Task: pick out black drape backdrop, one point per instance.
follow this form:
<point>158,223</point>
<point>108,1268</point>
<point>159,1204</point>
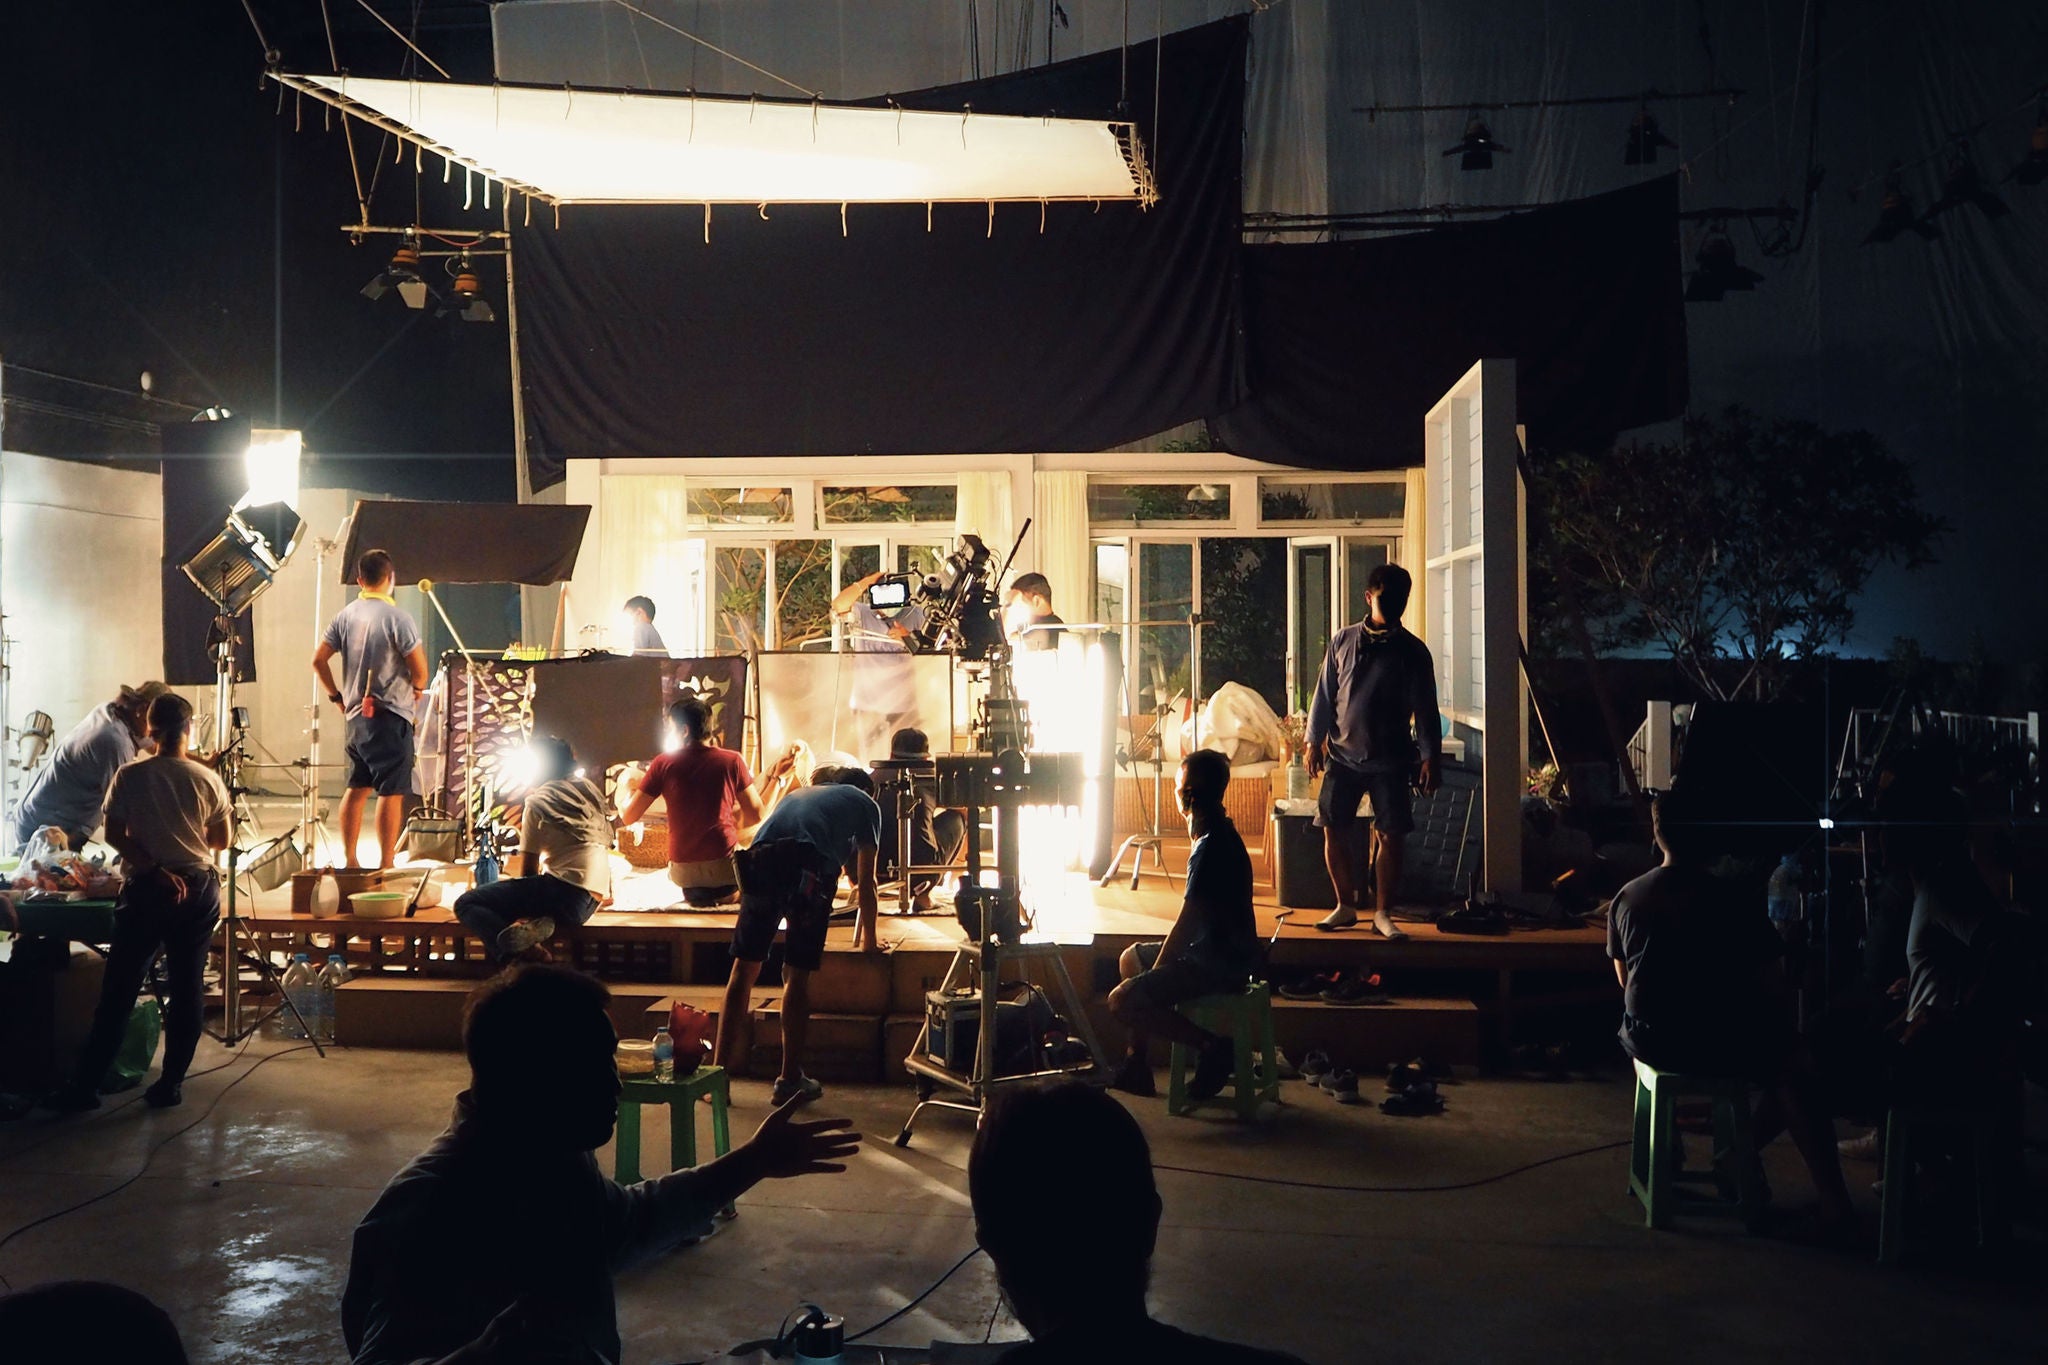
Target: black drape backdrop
<point>1351,343</point>
<point>785,337</point>
<point>205,473</point>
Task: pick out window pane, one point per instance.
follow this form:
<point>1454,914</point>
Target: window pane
<point>738,506</point>
<point>1112,576</point>
<point>1243,580</point>
<point>922,560</point>
<point>858,561</point>
<point>1312,625</point>
<point>1138,503</point>
<point>1361,557</point>
<point>1166,583</point>
<point>739,592</point>
<point>893,502</point>
<point>1291,500</point>
<point>803,592</point>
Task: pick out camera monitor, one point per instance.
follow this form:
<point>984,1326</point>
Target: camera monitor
<point>889,594</point>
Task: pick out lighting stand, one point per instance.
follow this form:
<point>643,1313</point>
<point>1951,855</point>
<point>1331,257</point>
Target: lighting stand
<point>1151,837</point>
<point>237,940</point>
<point>472,817</point>
<point>312,819</point>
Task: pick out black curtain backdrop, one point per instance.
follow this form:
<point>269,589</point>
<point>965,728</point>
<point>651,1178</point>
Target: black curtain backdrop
<point>1351,343</point>
<point>786,337</point>
<point>204,476</point>
<point>468,542</point>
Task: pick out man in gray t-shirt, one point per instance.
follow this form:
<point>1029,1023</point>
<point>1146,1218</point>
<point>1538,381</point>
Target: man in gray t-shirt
<point>383,672</point>
<point>70,789</point>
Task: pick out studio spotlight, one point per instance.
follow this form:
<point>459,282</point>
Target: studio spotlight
<point>237,565</point>
<point>1962,185</point>
<point>469,303</point>
<point>1475,151</point>
<point>1717,271</point>
<point>402,274</point>
<point>1895,214</point>
<point>2033,168</point>
<point>1644,138</point>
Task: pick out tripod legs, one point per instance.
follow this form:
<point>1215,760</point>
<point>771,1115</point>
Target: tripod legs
<point>1136,846</point>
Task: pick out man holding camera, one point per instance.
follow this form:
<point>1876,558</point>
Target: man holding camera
<point>1376,679</point>
<point>384,670</point>
<point>166,816</point>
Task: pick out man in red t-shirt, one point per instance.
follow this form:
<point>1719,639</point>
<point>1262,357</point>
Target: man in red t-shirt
<point>710,796</point>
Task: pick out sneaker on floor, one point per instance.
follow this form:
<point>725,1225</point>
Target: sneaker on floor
<point>1309,987</point>
<point>164,1095</point>
<point>1868,1147</point>
<point>1343,917</point>
<point>800,1084</point>
<point>1341,1086</point>
<point>1213,1068</point>
<point>1283,1069</point>
<point>524,934</point>
<point>1315,1065</point>
<point>1134,1077</point>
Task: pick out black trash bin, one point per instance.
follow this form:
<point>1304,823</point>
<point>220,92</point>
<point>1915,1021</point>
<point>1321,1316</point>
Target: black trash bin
<point>1301,881</point>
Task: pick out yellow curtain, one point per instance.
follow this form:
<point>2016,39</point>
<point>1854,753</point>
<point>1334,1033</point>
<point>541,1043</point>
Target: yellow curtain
<point>1058,545</point>
<point>983,509</point>
<point>644,548</point>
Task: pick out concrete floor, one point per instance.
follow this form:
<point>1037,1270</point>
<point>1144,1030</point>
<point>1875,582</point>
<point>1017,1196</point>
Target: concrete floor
<point>240,1227</point>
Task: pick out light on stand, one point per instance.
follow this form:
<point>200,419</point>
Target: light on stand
<point>272,464</point>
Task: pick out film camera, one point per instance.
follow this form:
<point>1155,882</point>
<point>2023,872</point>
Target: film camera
<point>961,606</point>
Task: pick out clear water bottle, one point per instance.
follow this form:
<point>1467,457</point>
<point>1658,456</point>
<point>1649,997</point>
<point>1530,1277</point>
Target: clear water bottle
<point>664,1055</point>
<point>302,992</point>
<point>1783,898</point>
<point>332,977</point>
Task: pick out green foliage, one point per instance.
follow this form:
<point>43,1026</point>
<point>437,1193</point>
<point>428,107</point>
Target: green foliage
<point>1244,580</point>
<point>1749,538</point>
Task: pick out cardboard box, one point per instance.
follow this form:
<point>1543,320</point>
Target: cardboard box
<point>851,983</point>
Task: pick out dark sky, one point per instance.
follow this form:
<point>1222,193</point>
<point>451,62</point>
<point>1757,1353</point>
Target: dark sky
<point>147,177</point>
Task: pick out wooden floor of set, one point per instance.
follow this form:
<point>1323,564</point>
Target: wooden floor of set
<point>1456,999</point>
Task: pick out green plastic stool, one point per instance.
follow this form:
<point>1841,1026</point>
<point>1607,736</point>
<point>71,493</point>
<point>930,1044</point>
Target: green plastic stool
<point>1986,1129</point>
<point>681,1096</point>
<point>1656,1163</point>
<point>1248,1018</point>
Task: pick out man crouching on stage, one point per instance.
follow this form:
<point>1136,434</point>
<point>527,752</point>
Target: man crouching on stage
<point>498,1244</point>
<point>1213,947</point>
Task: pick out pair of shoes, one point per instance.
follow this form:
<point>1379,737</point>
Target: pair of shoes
<point>1134,1077</point>
<point>1402,1075</point>
<point>1214,1065</point>
<point>799,1084</point>
<point>1316,1065</point>
<point>1868,1147</point>
<point>165,1094</point>
<point>1356,990</point>
<point>1341,1086</point>
<point>73,1099</point>
<point>1310,987</point>
<point>522,934</point>
<point>1418,1099</point>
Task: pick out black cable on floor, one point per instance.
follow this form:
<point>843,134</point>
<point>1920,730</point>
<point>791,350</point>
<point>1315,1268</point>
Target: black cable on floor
<point>160,1144</point>
<point>1399,1189</point>
<point>929,1291</point>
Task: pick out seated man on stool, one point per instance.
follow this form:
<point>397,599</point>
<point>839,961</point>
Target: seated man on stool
<point>1212,950</point>
<point>936,836</point>
<point>564,868</point>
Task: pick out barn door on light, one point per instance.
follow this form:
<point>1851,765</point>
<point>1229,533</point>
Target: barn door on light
<point>1472,597</point>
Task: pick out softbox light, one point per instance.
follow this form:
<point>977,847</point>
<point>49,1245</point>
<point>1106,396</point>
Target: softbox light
<point>237,565</point>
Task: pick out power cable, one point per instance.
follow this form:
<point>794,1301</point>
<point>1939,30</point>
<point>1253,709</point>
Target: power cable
<point>1400,1189</point>
<point>928,1292</point>
<point>143,1169</point>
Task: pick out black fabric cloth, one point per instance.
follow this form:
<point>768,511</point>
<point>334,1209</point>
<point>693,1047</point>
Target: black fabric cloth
<point>205,473</point>
<point>469,542</point>
<point>1142,1340</point>
<point>1694,955</point>
<point>1350,344</point>
<point>1218,893</point>
<point>380,753</point>
<point>1393,804</point>
<point>1058,327</point>
<point>149,920</point>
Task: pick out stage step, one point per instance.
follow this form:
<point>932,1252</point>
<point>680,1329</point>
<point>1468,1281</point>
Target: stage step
<point>1442,1028</point>
<point>426,1012</point>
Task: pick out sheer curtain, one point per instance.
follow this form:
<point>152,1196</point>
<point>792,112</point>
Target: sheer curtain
<point>1059,540</point>
<point>983,509</point>
<point>644,548</point>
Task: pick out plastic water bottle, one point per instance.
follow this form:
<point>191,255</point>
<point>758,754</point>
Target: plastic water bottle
<point>664,1055</point>
<point>1782,897</point>
<point>332,977</point>
<point>486,870</point>
<point>302,993</point>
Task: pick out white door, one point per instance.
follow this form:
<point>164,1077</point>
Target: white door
<point>1473,559</point>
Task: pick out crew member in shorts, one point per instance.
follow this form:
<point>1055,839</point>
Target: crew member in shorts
<point>383,672</point>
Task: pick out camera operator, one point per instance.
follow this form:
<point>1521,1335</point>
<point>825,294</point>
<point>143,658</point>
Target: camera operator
<point>936,836</point>
<point>884,687</point>
<point>166,816</point>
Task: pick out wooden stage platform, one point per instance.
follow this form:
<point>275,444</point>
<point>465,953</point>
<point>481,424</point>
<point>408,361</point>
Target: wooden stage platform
<point>1456,998</point>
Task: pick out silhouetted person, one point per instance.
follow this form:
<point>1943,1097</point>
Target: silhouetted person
<point>166,816</point>
<point>70,791</point>
<point>1072,1240</point>
<point>1376,679</point>
<point>383,672</point>
<point>791,875</point>
<point>936,835</point>
<point>84,1322</point>
<point>709,796</point>
<point>646,639</point>
<point>1704,993</point>
<point>1028,617</point>
<point>564,868</point>
<point>498,1244</point>
<point>1212,948</point>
